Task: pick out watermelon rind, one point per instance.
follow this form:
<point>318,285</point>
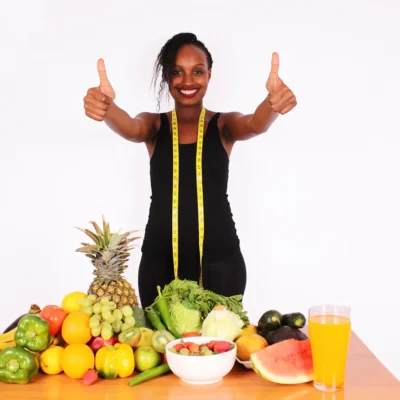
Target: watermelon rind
<point>291,359</point>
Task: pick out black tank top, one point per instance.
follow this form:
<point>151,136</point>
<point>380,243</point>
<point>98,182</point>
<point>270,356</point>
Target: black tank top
<point>220,236</point>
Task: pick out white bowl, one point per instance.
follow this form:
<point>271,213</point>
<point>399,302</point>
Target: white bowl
<point>247,364</point>
<point>200,370</point>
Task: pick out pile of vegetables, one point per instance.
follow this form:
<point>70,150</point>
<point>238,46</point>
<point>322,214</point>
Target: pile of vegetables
<point>189,305</point>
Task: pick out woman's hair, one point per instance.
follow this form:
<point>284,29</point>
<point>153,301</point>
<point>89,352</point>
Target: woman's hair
<point>166,59</point>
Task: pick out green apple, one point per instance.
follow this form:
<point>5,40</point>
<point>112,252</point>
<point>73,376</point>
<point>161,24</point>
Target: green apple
<point>146,357</point>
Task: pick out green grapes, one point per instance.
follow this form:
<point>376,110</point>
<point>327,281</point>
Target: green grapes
<point>105,318</point>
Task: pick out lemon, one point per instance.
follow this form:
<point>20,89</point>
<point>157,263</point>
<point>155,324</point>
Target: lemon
<point>50,360</point>
<point>70,302</point>
<point>249,330</point>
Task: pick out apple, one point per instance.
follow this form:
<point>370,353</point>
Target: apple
<point>146,357</point>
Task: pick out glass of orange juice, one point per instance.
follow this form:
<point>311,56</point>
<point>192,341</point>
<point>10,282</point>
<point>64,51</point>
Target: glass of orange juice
<point>329,329</point>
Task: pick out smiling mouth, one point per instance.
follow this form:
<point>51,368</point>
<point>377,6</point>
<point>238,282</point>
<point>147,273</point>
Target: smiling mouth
<point>189,93</point>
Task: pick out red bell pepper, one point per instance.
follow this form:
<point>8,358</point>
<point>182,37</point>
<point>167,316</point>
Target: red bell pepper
<point>55,316</point>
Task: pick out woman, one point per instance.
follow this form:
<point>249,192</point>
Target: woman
<point>190,233</point>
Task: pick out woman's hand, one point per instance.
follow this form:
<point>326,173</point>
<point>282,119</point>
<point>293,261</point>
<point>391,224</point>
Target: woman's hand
<point>98,99</point>
<point>281,98</point>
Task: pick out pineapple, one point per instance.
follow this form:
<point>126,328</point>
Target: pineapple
<point>109,254</point>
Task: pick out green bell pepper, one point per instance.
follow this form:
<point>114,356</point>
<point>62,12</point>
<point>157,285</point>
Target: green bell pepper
<point>17,365</point>
<point>33,333</point>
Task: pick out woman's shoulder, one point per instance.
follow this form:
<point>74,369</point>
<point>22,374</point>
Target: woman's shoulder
<point>151,119</point>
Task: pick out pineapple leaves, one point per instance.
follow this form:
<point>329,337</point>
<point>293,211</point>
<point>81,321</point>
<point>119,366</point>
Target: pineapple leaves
<point>110,251</point>
<point>98,230</point>
<point>106,229</point>
<point>114,240</point>
<point>95,238</point>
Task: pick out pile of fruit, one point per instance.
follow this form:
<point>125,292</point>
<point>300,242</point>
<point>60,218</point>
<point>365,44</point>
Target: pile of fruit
<point>104,333</point>
<point>277,349</point>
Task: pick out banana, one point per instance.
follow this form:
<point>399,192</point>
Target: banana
<point>3,345</point>
<point>7,337</point>
<point>56,340</point>
<point>34,309</point>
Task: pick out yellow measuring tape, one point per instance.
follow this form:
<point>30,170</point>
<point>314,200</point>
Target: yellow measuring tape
<point>175,189</point>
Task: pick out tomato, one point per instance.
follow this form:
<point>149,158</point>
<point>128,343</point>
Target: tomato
<point>190,334</point>
<point>55,316</point>
<point>187,344</point>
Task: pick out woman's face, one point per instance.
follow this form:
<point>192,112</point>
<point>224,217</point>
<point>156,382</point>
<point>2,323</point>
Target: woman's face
<point>190,76</point>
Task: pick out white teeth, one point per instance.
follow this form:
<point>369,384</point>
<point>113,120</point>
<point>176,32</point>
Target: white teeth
<point>189,92</point>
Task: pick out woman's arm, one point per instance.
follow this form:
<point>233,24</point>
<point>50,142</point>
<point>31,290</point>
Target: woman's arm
<point>99,105</point>
<point>280,100</point>
<point>138,129</point>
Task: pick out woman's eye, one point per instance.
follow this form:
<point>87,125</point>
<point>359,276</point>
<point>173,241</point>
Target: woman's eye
<point>176,72</point>
<point>198,72</point>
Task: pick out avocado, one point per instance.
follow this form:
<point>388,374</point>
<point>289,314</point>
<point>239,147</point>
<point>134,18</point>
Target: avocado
<point>294,320</point>
<point>270,321</point>
<point>284,333</point>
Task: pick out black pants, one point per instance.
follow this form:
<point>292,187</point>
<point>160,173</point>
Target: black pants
<point>226,276</point>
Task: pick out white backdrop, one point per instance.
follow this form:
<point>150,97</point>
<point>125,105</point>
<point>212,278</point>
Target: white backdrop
<point>315,199</point>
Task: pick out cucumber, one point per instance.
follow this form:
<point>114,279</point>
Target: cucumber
<point>270,321</point>
<point>294,320</point>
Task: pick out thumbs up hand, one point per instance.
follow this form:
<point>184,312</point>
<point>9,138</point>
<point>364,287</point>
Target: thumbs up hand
<point>105,85</point>
<point>281,98</point>
<point>98,99</point>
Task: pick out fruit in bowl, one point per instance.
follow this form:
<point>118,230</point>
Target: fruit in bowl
<point>201,360</point>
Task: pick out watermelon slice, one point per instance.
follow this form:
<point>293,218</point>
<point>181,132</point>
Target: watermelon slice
<point>287,362</point>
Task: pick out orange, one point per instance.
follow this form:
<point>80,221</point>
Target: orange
<point>249,344</point>
<point>76,360</point>
<point>75,328</point>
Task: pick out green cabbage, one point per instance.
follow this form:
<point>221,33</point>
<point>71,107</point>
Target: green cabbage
<point>223,323</point>
<point>185,319</point>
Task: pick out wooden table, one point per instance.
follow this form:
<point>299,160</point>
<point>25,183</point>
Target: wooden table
<point>366,379</point>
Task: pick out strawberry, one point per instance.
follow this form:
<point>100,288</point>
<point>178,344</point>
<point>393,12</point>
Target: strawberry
<point>90,377</point>
<point>222,346</point>
<point>194,348</point>
<point>179,346</point>
<point>211,344</point>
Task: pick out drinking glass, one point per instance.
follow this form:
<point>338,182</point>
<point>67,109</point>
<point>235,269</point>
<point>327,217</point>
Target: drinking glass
<point>329,332</point>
